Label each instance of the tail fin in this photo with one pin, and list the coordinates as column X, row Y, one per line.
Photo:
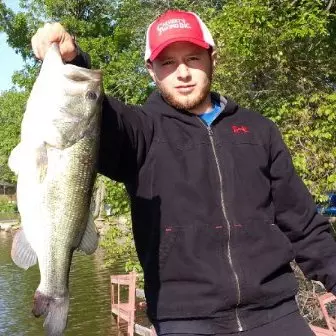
column 55, row 310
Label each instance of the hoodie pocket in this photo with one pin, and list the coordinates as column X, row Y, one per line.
column 189, row 252
column 270, row 244
column 262, row 253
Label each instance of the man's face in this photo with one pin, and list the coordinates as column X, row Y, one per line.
column 183, row 73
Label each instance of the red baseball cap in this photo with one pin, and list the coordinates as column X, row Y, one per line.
column 175, row 26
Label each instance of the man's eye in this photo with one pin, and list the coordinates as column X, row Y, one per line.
column 193, row 58
column 167, row 62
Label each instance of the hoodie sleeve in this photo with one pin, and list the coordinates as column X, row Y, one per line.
column 297, row 217
column 82, row 59
column 126, row 133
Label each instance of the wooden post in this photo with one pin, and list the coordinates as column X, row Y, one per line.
column 126, row 310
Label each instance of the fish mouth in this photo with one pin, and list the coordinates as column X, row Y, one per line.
column 55, row 310
column 41, row 304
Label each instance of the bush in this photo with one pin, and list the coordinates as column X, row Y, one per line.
column 118, row 243
column 7, row 206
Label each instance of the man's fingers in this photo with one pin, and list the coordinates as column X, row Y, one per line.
column 49, row 33
column 68, row 48
column 35, row 48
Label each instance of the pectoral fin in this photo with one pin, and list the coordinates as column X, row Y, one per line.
column 90, row 238
column 14, row 161
column 33, row 160
column 22, row 253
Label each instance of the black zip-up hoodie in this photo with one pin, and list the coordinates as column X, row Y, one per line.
column 218, row 212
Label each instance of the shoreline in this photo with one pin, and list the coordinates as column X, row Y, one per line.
column 8, row 225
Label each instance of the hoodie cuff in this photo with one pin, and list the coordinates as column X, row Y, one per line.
column 82, row 59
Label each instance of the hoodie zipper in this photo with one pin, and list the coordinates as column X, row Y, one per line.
column 211, row 136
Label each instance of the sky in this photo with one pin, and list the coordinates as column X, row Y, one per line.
column 9, row 61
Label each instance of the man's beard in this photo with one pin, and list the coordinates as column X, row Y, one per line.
column 189, row 103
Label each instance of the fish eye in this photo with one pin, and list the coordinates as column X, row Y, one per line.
column 91, row 95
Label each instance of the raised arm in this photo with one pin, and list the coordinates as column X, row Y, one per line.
column 126, row 131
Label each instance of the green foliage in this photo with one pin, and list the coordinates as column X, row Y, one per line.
column 19, row 29
column 120, row 253
column 272, row 50
column 118, row 243
column 7, row 207
column 116, row 196
column 12, row 104
column 308, row 124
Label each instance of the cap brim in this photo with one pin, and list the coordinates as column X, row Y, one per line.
column 157, row 51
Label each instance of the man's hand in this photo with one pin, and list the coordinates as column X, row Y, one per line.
column 54, row 32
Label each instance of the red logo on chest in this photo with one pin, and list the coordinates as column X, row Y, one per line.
column 240, row 129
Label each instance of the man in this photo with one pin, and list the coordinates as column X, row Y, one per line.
column 218, row 210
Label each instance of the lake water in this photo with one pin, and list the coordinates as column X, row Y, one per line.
column 90, row 301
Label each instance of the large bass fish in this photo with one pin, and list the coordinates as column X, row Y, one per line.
column 55, row 167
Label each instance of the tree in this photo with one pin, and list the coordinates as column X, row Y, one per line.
column 12, row 104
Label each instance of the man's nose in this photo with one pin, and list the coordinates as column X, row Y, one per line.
column 183, row 71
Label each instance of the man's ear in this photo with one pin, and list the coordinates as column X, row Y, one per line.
column 213, row 58
column 149, row 66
